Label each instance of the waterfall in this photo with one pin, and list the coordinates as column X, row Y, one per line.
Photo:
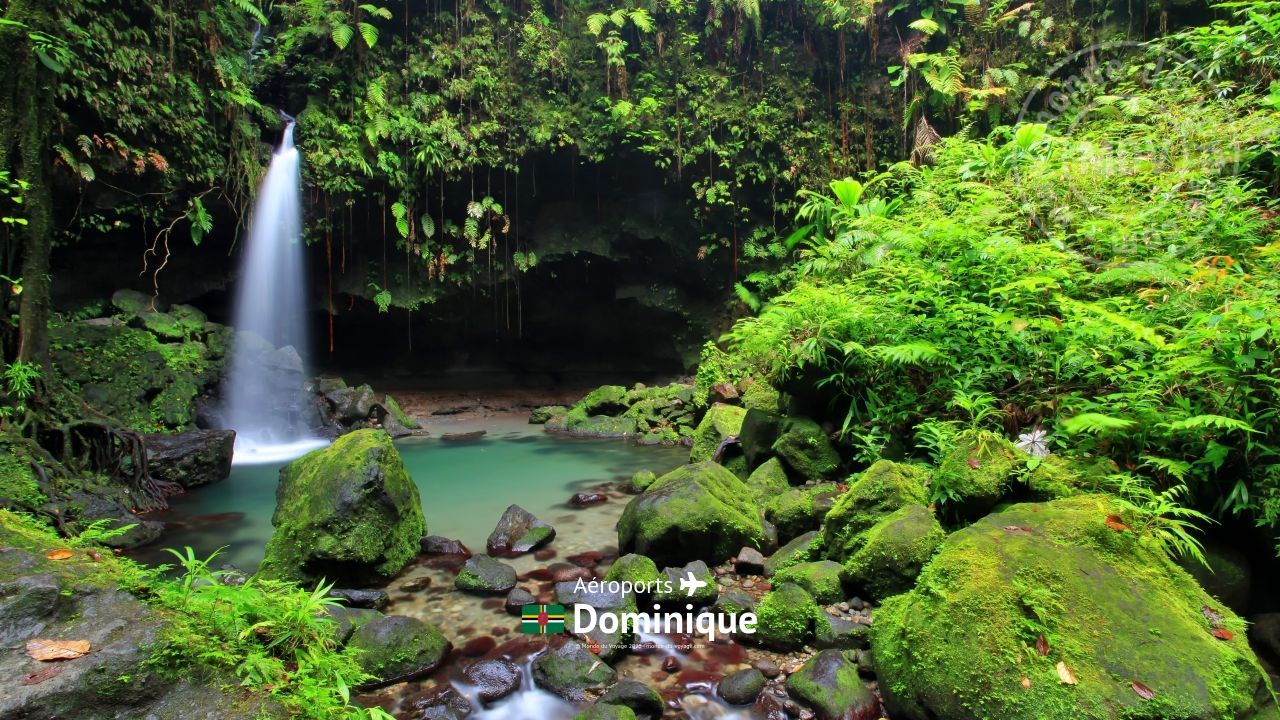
column 264, row 398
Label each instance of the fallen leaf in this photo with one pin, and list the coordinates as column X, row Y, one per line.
column 57, row 554
column 1026, row 682
column 1017, row 528
column 1065, row 675
column 1143, row 691
column 1213, row 616
column 36, row 677
column 973, row 463
column 1221, row 633
column 94, row 556
column 1042, row 645
column 1115, row 523
column 47, row 650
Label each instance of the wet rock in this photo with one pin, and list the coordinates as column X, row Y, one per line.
column 786, row 617
column 839, row 633
column 440, row 545
column 517, row 599
column 395, row 648
column 735, row 602
column 443, row 702
column 464, row 436
column 571, row 671
column 347, row 619
column 830, row 684
column 484, row 575
column 493, row 679
column 671, row 664
column 604, row 711
column 742, row 687
column 349, row 513
column 93, row 507
column 641, row 480
column 894, row 550
column 695, row 512
column 518, row 531
column 590, row 558
column 750, row 561
column 352, row 404
column 822, row 579
column 417, row 584
column 768, row 668
column 568, row 573
column 587, row 499
column 805, row 450
column 25, row 601
column 190, row 459
column 643, row 700
column 570, row 593
column 372, row 599
column 398, row 414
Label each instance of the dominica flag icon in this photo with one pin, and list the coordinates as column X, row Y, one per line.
column 542, row 619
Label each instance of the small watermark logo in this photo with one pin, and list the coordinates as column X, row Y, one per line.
column 542, row 619
column 1125, row 80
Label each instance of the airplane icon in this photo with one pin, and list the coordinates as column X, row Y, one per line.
column 690, row 584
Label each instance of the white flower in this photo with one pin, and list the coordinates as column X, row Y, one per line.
column 1033, row 443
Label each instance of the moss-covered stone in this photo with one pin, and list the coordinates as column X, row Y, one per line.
column 642, row 479
column 395, row 648
column 759, row 395
column 806, row 450
column 346, row 512
column 695, row 512
column 542, row 414
column 399, row 414
column 485, row 575
column 604, row 400
column 829, row 683
column 18, row 487
column 880, row 490
column 824, row 580
column 633, row 568
column 768, row 481
column 570, row 670
column 894, row 550
column 702, row 595
column 720, row 422
column 785, row 617
column 1057, row 477
column 801, row 549
column 798, row 510
column 605, row 711
column 977, row 472
column 1111, row 608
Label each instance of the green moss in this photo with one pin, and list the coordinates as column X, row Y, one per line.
column 786, row 615
column 798, row 510
column 1111, row 608
column 720, row 422
column 700, row 511
column 977, row 472
column 768, row 481
column 806, row 450
column 394, row 647
column 18, row 487
column 398, row 413
column 802, row 549
column 829, row 683
column 759, row 395
column 824, row 580
column 350, row 507
column 604, row 711
column 880, row 490
column 642, row 479
column 894, row 550
column 632, row 568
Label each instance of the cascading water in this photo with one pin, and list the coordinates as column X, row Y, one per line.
column 264, row 398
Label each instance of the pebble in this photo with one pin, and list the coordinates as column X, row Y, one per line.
column 671, row 665
column 768, row 668
column 844, row 607
column 416, row 584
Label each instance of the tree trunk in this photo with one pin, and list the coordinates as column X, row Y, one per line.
column 26, row 114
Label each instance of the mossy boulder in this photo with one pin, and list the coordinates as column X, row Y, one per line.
column 347, row 513
column 798, row 510
column 720, row 422
column 785, row 617
column 605, row 711
column 741, row 687
column 801, row 549
column 633, row 568
column 570, row 671
column 643, row 700
column 1112, row 609
column 702, row 595
column 768, row 481
column 805, row 450
column 1056, row 477
column 880, row 490
column 394, row 410
column 829, row 683
column 759, row 395
column 395, row 648
column 542, row 414
column 978, row 471
column 894, row 550
column 483, row 575
column 824, row 580
column 642, row 479
column 695, row 512
column 604, row 400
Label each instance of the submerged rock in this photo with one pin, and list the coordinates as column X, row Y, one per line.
column 348, row 513
column 493, row 679
column 695, row 512
column 742, row 687
column 483, row 574
column 190, row 459
column 371, row 599
column 395, row 648
column 518, row 532
column 829, row 683
column 1113, row 611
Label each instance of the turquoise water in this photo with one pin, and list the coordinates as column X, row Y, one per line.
column 465, row 486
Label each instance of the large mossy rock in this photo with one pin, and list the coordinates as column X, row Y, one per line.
column 978, row 472
column 1112, row 609
column 346, row 513
column 571, row 671
column 695, row 512
column 894, row 550
column 719, row 424
column 395, row 648
column 795, row 511
column 824, row 580
column 881, row 489
column 829, row 683
column 190, row 459
column 785, row 618
column 806, row 450
column 768, row 481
